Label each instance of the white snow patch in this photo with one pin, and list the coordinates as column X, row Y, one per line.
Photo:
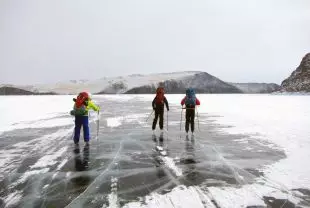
column 170, row 164
column 31, row 109
column 62, row 164
column 11, row 158
column 114, row 121
column 181, row 197
column 113, row 201
column 68, row 174
column 119, row 120
column 164, row 153
column 112, row 197
column 159, row 148
column 13, row 198
column 28, row 174
column 52, row 122
column 45, row 186
column 49, row 160
column 247, row 195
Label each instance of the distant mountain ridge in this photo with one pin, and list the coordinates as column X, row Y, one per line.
column 202, row 82
column 299, row 81
column 257, row 87
column 175, row 82
column 8, row 90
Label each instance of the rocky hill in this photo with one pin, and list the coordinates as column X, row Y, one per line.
column 202, row 82
column 14, row 91
column 299, row 81
column 9, row 90
column 252, row 88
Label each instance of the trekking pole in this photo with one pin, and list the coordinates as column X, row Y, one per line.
column 198, row 119
column 149, row 116
column 181, row 119
column 73, row 132
column 167, row 120
column 98, row 120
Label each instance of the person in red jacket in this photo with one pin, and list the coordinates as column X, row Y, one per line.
column 158, row 107
column 190, row 101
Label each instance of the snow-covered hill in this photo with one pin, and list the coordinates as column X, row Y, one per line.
column 257, row 87
column 201, row 81
column 299, row 81
column 175, row 82
column 120, row 84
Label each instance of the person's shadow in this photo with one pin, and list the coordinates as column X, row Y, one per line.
column 190, row 150
column 159, row 143
column 81, row 164
column 160, row 139
column 190, row 161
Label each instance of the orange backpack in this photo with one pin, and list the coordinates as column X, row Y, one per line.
column 160, row 95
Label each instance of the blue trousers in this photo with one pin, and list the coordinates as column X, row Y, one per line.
column 79, row 122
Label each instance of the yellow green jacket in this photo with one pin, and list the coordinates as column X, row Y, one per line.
column 90, row 105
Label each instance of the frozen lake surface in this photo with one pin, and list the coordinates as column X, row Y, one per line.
column 249, row 151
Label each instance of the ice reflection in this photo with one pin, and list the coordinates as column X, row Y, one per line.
column 81, row 162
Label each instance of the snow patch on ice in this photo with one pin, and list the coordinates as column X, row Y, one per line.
column 59, row 167
column 114, row 121
column 49, row 160
column 247, row 195
column 34, row 108
column 28, row 174
column 13, row 198
column 159, row 148
column 53, row 122
column 112, row 197
column 164, row 153
column 181, row 197
column 11, row 158
column 171, row 164
column 119, row 120
column 45, row 186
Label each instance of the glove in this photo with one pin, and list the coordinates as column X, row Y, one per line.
column 72, row 113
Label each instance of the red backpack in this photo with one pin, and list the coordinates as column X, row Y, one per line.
column 81, row 99
column 160, row 95
column 80, row 107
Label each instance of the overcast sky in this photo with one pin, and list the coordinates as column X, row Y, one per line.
column 240, row 41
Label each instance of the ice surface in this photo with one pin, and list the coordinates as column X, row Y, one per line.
column 248, row 150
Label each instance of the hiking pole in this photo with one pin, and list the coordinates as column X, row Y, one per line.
column 181, row 119
column 98, row 120
column 198, row 119
column 73, row 132
column 149, row 116
column 167, row 120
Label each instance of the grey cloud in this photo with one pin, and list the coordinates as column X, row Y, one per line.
column 240, row 41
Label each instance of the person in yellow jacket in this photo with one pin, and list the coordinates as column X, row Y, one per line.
column 82, row 104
